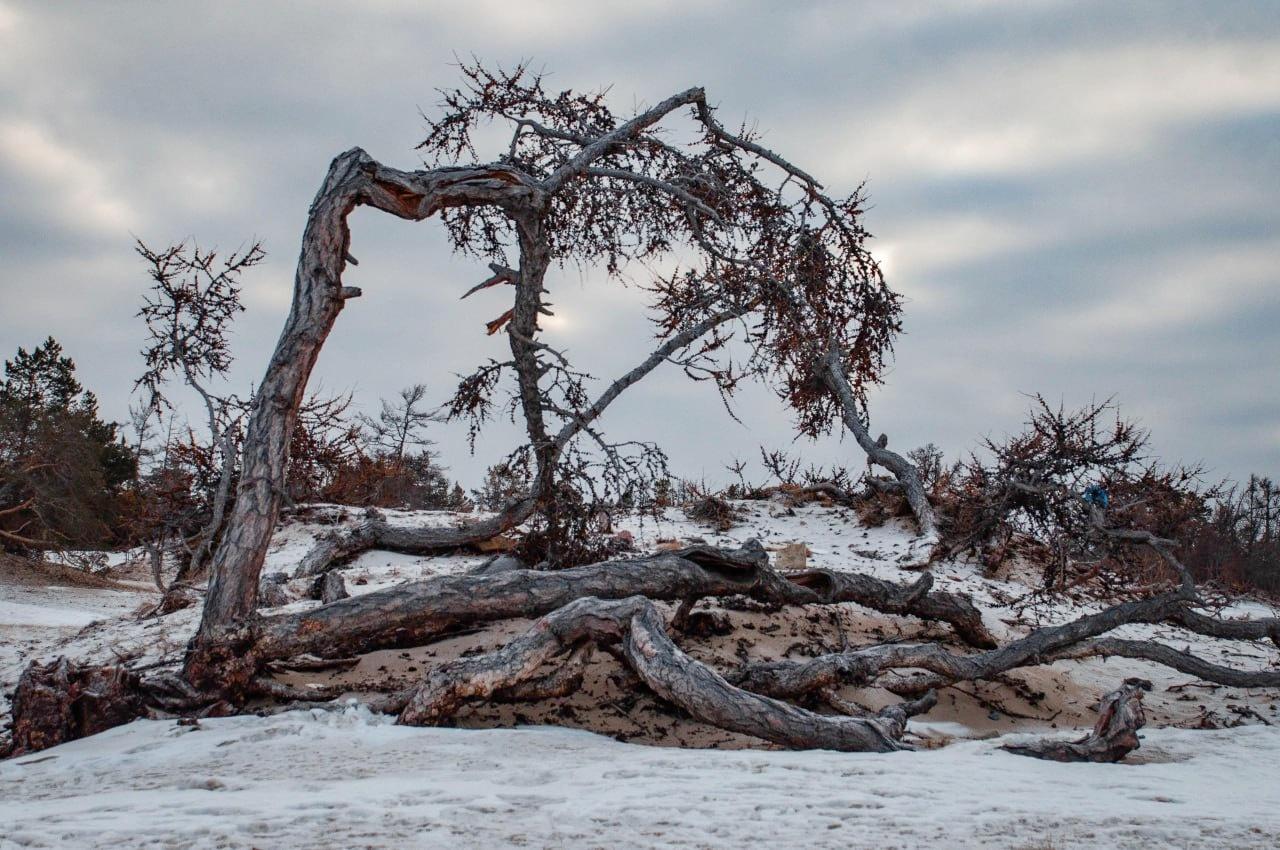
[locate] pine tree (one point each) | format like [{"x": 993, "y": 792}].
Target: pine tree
[{"x": 61, "y": 466}]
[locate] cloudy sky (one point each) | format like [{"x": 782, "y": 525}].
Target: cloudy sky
[{"x": 1079, "y": 199}]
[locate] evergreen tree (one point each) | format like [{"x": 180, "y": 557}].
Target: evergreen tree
[{"x": 61, "y": 466}]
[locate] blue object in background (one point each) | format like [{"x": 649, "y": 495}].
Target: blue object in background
[{"x": 1096, "y": 494}]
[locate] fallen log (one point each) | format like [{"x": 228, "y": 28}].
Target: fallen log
[
  {"x": 692, "y": 686},
  {"x": 1114, "y": 736},
  {"x": 374, "y": 532},
  {"x": 416, "y": 613},
  {"x": 1042, "y": 646}
]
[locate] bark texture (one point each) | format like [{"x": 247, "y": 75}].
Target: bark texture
[
  {"x": 692, "y": 686},
  {"x": 1114, "y": 736},
  {"x": 354, "y": 179},
  {"x": 60, "y": 702}
]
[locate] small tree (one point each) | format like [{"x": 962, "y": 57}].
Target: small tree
[
  {"x": 194, "y": 297},
  {"x": 326, "y": 441},
  {"x": 400, "y": 427}
]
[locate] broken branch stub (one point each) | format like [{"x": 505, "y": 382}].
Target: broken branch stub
[{"x": 1114, "y": 736}]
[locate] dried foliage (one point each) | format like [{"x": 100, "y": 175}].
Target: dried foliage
[
  {"x": 762, "y": 248},
  {"x": 1238, "y": 543},
  {"x": 194, "y": 298},
  {"x": 1081, "y": 484},
  {"x": 188, "y": 312}
]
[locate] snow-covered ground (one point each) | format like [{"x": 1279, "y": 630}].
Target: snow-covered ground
[
  {"x": 352, "y": 779},
  {"x": 321, "y": 780}
]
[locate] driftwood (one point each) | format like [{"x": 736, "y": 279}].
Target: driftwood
[
  {"x": 1114, "y": 736},
  {"x": 636, "y": 624}
]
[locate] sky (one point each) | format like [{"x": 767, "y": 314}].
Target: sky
[{"x": 1079, "y": 199}]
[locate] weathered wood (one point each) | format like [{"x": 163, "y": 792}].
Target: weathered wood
[
  {"x": 915, "y": 600},
  {"x": 1114, "y": 736},
  {"x": 1076, "y": 639},
  {"x": 60, "y": 701},
  {"x": 1259, "y": 629},
  {"x": 374, "y": 532},
  {"x": 331, "y": 587},
  {"x": 674, "y": 676},
  {"x": 353, "y": 179},
  {"x": 415, "y": 613},
  {"x": 878, "y": 453}
]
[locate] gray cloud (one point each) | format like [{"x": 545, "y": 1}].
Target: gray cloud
[{"x": 1076, "y": 198}]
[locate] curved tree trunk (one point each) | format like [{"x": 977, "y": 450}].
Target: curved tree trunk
[
  {"x": 353, "y": 179},
  {"x": 908, "y": 476}
]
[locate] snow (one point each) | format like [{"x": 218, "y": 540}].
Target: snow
[
  {"x": 20, "y": 614},
  {"x": 351, "y": 779}
]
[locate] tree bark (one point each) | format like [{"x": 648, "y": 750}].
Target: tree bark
[
  {"x": 353, "y": 179},
  {"x": 908, "y": 476},
  {"x": 1114, "y": 736},
  {"x": 672, "y": 675}
]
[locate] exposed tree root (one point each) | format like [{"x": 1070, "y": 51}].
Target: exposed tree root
[
  {"x": 60, "y": 702},
  {"x": 636, "y": 623},
  {"x": 1114, "y": 736}
]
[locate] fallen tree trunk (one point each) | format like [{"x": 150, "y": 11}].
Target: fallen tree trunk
[
  {"x": 374, "y": 532},
  {"x": 916, "y": 599},
  {"x": 414, "y": 613},
  {"x": 692, "y": 686},
  {"x": 1114, "y": 736},
  {"x": 1042, "y": 646},
  {"x": 1260, "y": 629}
]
